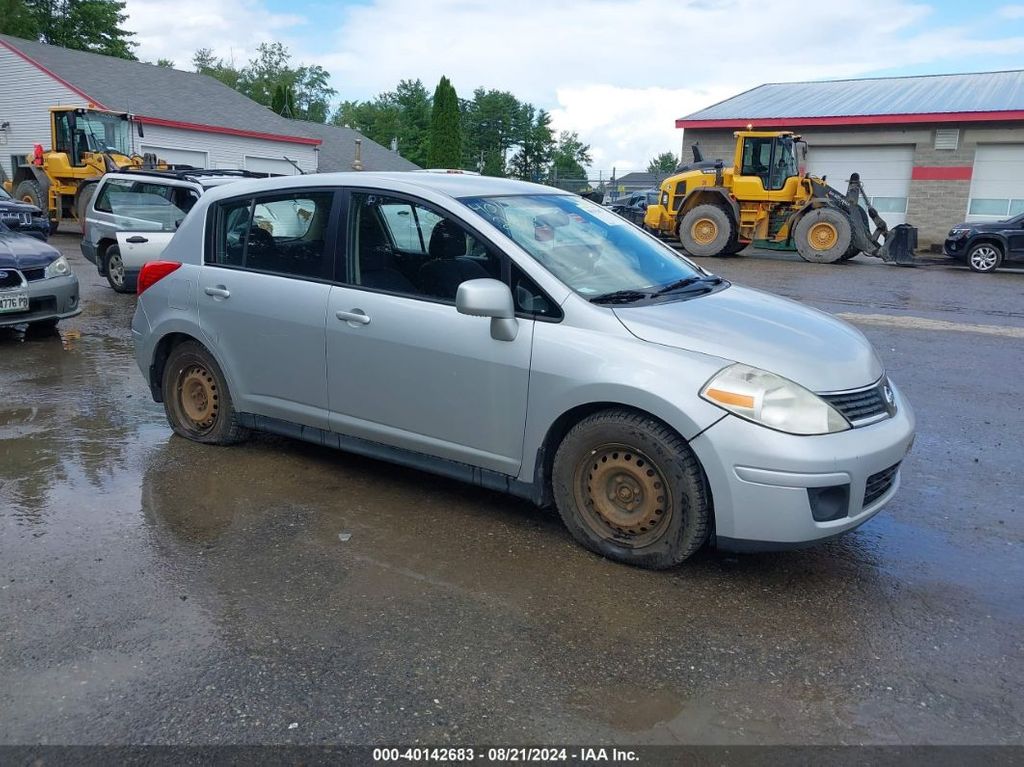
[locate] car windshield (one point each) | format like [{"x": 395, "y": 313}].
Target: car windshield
[
  {"x": 4, "y": 195},
  {"x": 593, "y": 251}
]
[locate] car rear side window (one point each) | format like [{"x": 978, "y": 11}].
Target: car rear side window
[
  {"x": 285, "y": 234},
  {"x": 115, "y": 186}
]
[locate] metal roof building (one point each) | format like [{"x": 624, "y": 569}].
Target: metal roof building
[{"x": 932, "y": 150}]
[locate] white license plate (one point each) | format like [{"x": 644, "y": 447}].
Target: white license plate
[{"x": 13, "y": 302}]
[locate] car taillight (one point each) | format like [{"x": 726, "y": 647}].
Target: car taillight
[{"x": 154, "y": 271}]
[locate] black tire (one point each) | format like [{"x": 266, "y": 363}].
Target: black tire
[
  {"x": 653, "y": 508},
  {"x": 196, "y": 397},
  {"x": 823, "y": 236},
  {"x": 984, "y": 258},
  {"x": 706, "y": 230},
  {"x": 85, "y": 195},
  {"x": 32, "y": 193},
  {"x": 113, "y": 266}
]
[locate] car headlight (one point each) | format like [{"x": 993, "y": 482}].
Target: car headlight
[
  {"x": 772, "y": 401},
  {"x": 59, "y": 268},
  {"x": 958, "y": 232}
]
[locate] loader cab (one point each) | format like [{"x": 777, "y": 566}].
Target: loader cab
[
  {"x": 765, "y": 162},
  {"x": 78, "y": 131}
]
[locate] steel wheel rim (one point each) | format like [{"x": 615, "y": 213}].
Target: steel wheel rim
[
  {"x": 115, "y": 268},
  {"x": 198, "y": 398},
  {"x": 622, "y": 495},
  {"x": 984, "y": 258},
  {"x": 704, "y": 231},
  {"x": 823, "y": 236}
]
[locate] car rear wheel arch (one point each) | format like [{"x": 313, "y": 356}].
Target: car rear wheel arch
[
  {"x": 101, "y": 254},
  {"x": 160, "y": 356}
]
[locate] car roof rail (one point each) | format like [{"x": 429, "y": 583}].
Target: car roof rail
[{"x": 188, "y": 172}]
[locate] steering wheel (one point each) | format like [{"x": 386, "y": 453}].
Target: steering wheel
[{"x": 259, "y": 238}]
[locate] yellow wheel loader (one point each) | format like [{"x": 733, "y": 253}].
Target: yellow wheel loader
[
  {"x": 766, "y": 197},
  {"x": 85, "y": 144}
]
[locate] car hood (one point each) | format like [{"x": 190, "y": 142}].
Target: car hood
[
  {"x": 983, "y": 226},
  {"x": 802, "y": 344},
  {"x": 19, "y": 207},
  {"x": 19, "y": 251}
]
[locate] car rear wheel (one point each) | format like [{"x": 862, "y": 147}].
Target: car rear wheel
[
  {"x": 196, "y": 397},
  {"x": 115, "y": 270},
  {"x": 629, "y": 488},
  {"x": 984, "y": 258}
]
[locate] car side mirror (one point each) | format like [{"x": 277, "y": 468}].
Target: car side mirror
[{"x": 489, "y": 298}]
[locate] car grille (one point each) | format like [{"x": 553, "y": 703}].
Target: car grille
[
  {"x": 10, "y": 278},
  {"x": 16, "y": 218},
  {"x": 863, "y": 406},
  {"x": 878, "y": 484},
  {"x": 34, "y": 274}
]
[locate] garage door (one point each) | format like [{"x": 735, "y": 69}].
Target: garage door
[
  {"x": 997, "y": 184},
  {"x": 884, "y": 171},
  {"x": 276, "y": 165},
  {"x": 178, "y": 156}
]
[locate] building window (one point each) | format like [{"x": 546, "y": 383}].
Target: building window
[
  {"x": 889, "y": 204},
  {"x": 998, "y": 208}
]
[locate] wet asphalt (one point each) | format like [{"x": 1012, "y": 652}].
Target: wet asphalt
[{"x": 158, "y": 591}]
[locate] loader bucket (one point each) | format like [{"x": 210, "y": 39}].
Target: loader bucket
[{"x": 899, "y": 247}]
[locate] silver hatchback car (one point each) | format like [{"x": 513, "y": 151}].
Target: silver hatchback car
[{"x": 525, "y": 340}]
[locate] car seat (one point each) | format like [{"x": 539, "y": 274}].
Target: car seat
[{"x": 448, "y": 267}]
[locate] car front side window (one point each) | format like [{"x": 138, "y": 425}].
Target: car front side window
[{"x": 405, "y": 247}]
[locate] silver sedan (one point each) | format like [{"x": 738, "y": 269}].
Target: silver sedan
[{"x": 526, "y": 340}]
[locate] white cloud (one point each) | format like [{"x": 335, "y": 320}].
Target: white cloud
[
  {"x": 1011, "y": 12},
  {"x": 617, "y": 71},
  {"x": 175, "y": 29}
]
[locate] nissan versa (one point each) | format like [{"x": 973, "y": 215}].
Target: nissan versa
[{"x": 525, "y": 340}]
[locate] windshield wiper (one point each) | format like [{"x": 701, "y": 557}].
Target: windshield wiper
[
  {"x": 620, "y": 297},
  {"x": 707, "y": 279}
]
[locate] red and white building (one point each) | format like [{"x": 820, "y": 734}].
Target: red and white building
[{"x": 932, "y": 151}]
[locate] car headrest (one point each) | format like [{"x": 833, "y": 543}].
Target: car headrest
[{"x": 447, "y": 241}]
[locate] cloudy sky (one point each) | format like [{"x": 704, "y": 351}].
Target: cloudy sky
[{"x": 617, "y": 71}]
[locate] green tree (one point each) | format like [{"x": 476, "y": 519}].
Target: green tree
[
  {"x": 493, "y": 123},
  {"x": 16, "y": 19},
  {"x": 303, "y": 92},
  {"x": 402, "y": 115},
  {"x": 536, "y": 145},
  {"x": 569, "y": 163},
  {"x": 445, "y": 128},
  {"x": 84, "y": 25},
  {"x": 166, "y": 63},
  {"x": 665, "y": 162}
]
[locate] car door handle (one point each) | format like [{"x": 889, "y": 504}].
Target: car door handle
[
  {"x": 136, "y": 240},
  {"x": 356, "y": 316},
  {"x": 218, "y": 292}
]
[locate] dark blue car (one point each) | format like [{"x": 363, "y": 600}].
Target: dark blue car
[
  {"x": 23, "y": 217},
  {"x": 37, "y": 286}
]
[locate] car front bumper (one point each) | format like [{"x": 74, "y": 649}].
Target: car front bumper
[
  {"x": 54, "y": 298},
  {"x": 955, "y": 248},
  {"x": 768, "y": 487}
]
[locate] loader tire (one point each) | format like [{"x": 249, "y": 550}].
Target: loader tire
[
  {"x": 823, "y": 236},
  {"x": 706, "y": 230},
  {"x": 32, "y": 193}
]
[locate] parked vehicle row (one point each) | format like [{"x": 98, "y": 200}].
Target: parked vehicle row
[{"x": 526, "y": 340}]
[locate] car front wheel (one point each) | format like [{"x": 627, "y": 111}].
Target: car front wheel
[
  {"x": 629, "y": 488},
  {"x": 984, "y": 257}
]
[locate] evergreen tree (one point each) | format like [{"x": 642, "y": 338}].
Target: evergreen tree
[{"x": 445, "y": 128}]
